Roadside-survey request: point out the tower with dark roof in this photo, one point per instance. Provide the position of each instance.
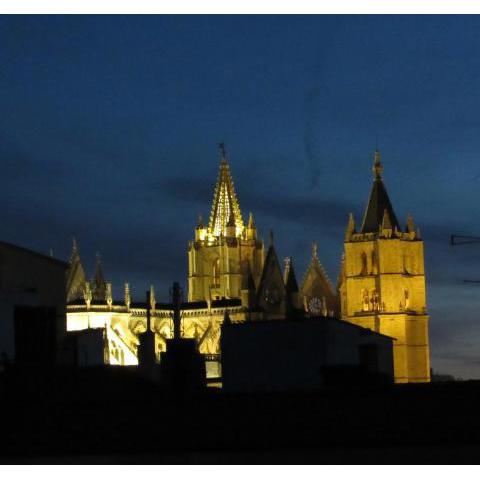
(382, 281)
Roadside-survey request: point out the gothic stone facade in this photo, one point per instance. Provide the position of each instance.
(382, 282)
(381, 285)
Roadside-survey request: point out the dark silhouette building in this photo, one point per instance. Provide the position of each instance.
(32, 305)
(302, 354)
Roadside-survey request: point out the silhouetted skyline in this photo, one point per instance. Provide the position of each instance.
(109, 128)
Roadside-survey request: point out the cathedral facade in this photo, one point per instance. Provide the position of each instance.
(231, 272)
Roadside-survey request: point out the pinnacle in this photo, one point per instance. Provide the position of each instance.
(251, 223)
(377, 165)
(410, 224)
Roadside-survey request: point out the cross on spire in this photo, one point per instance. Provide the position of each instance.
(223, 152)
(377, 164)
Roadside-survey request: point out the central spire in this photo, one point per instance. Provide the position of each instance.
(225, 207)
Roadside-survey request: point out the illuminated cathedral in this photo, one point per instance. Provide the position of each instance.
(231, 272)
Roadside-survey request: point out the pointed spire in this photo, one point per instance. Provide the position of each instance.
(74, 247)
(292, 299)
(75, 275)
(225, 203)
(271, 288)
(98, 260)
(316, 283)
(99, 280)
(378, 202)
(251, 231)
(108, 295)
(199, 221)
(350, 228)
(270, 238)
(87, 295)
(290, 279)
(251, 223)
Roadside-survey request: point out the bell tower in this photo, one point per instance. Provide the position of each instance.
(382, 282)
(225, 254)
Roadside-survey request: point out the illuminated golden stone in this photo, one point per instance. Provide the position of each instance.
(221, 256)
(382, 283)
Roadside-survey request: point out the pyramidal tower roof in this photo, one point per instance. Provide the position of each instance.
(76, 275)
(225, 207)
(379, 202)
(291, 284)
(99, 280)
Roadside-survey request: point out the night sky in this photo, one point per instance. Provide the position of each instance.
(109, 128)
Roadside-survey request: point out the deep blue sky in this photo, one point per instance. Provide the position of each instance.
(109, 125)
